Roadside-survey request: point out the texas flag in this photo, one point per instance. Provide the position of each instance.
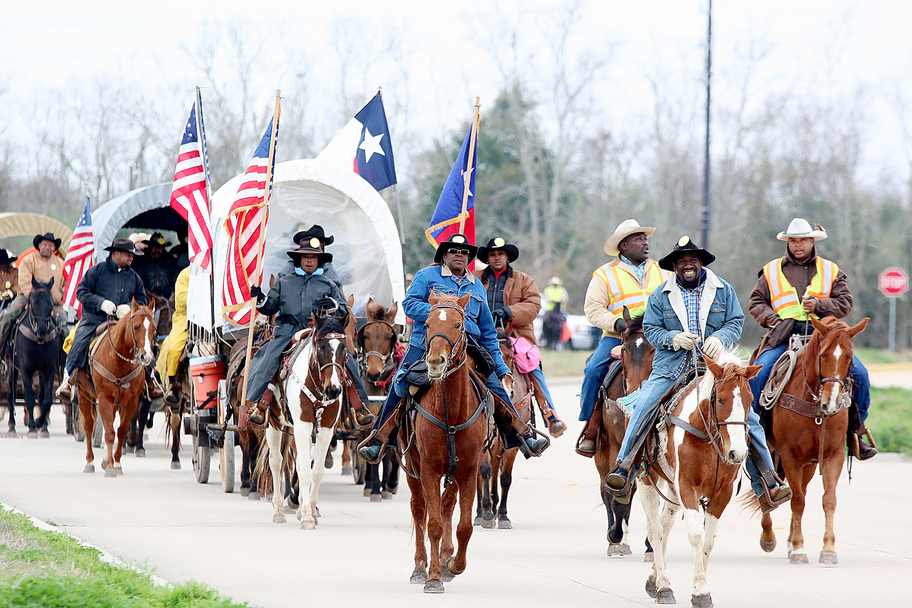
(364, 145)
(448, 213)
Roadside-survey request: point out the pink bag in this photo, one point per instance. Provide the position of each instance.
(526, 355)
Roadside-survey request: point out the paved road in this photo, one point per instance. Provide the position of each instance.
(362, 551)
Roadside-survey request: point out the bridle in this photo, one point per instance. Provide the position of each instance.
(39, 335)
(135, 348)
(388, 362)
(457, 347)
(122, 381)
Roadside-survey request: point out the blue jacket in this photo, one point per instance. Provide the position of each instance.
(478, 320)
(720, 316)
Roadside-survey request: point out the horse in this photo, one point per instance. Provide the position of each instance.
(697, 459)
(377, 346)
(253, 436)
(553, 326)
(449, 436)
(37, 342)
(114, 382)
(635, 367)
(809, 425)
(313, 392)
(497, 462)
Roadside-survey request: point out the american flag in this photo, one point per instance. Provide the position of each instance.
(245, 220)
(80, 257)
(190, 194)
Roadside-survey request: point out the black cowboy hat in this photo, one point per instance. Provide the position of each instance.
(685, 245)
(157, 238)
(124, 245)
(310, 246)
(314, 231)
(498, 244)
(5, 259)
(45, 237)
(456, 240)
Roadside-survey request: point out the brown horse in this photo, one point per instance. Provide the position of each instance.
(635, 367)
(117, 366)
(809, 425)
(449, 434)
(699, 454)
(497, 462)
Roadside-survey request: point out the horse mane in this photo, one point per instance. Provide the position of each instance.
(328, 325)
(444, 297)
(636, 323)
(374, 311)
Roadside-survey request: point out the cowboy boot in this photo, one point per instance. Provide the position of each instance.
(530, 441)
(372, 448)
(775, 492)
(65, 390)
(363, 416)
(259, 413)
(586, 445)
(856, 445)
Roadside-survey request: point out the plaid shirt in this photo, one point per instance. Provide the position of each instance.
(639, 270)
(692, 304)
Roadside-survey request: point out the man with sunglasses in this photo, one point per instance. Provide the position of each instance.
(449, 274)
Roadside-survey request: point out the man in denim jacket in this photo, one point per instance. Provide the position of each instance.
(694, 310)
(449, 275)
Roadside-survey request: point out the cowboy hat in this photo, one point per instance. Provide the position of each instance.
(311, 246)
(157, 238)
(125, 245)
(800, 228)
(459, 241)
(685, 245)
(5, 259)
(625, 229)
(498, 244)
(45, 237)
(314, 231)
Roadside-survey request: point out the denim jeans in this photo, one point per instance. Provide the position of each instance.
(594, 374)
(539, 376)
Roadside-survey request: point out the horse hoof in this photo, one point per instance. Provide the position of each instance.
(615, 551)
(665, 596)
(649, 557)
(346, 470)
(828, 558)
(278, 518)
(175, 465)
(254, 495)
(104, 465)
(110, 473)
(701, 601)
(477, 521)
(89, 468)
(385, 495)
(393, 489)
(328, 461)
(768, 547)
(446, 575)
(44, 434)
(433, 585)
(376, 498)
(419, 576)
(651, 589)
(140, 452)
(289, 510)
(12, 434)
(128, 449)
(290, 501)
(32, 435)
(798, 557)
(316, 511)
(245, 491)
(625, 549)
(367, 491)
(487, 524)
(308, 525)
(504, 524)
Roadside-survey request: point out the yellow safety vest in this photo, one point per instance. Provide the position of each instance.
(554, 294)
(625, 290)
(784, 298)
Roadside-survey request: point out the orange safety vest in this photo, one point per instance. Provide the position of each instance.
(625, 290)
(784, 298)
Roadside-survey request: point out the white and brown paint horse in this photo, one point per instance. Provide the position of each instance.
(700, 452)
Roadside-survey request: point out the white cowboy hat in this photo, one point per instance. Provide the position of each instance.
(800, 228)
(625, 229)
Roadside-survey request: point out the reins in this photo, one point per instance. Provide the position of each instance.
(388, 360)
(314, 368)
(121, 382)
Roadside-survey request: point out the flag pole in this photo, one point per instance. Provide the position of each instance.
(476, 118)
(259, 258)
(201, 131)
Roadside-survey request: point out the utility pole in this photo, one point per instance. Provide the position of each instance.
(706, 197)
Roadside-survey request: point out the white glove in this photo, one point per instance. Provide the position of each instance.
(684, 340)
(712, 347)
(123, 310)
(7, 294)
(108, 307)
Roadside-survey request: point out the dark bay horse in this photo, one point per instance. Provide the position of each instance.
(37, 342)
(115, 381)
(635, 367)
(809, 424)
(699, 455)
(449, 434)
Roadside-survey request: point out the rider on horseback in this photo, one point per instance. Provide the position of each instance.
(293, 298)
(625, 281)
(44, 265)
(157, 269)
(106, 290)
(694, 311)
(774, 303)
(515, 302)
(448, 274)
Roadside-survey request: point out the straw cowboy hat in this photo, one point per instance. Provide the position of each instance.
(457, 241)
(800, 228)
(685, 245)
(498, 244)
(625, 229)
(313, 246)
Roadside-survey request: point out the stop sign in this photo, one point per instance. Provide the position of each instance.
(893, 282)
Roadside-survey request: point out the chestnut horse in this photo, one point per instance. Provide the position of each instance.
(699, 454)
(635, 367)
(313, 392)
(117, 366)
(449, 434)
(809, 424)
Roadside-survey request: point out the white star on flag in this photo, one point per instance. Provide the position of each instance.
(371, 144)
(467, 179)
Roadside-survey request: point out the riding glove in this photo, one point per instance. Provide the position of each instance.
(7, 294)
(684, 340)
(123, 310)
(108, 307)
(256, 292)
(712, 347)
(620, 326)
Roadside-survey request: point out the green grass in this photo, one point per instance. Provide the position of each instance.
(890, 419)
(44, 569)
(560, 363)
(873, 356)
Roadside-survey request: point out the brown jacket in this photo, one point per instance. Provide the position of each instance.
(43, 271)
(838, 305)
(522, 296)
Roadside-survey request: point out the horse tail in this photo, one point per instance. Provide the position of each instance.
(749, 503)
(261, 470)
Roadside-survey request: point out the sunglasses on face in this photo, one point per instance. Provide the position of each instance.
(458, 251)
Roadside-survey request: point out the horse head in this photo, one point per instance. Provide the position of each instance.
(636, 352)
(831, 347)
(330, 345)
(445, 332)
(725, 400)
(377, 339)
(164, 310)
(138, 329)
(41, 304)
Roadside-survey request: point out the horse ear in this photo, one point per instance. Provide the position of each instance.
(464, 300)
(34, 283)
(818, 325)
(51, 284)
(391, 313)
(752, 370)
(854, 331)
(433, 298)
(627, 317)
(350, 301)
(716, 369)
